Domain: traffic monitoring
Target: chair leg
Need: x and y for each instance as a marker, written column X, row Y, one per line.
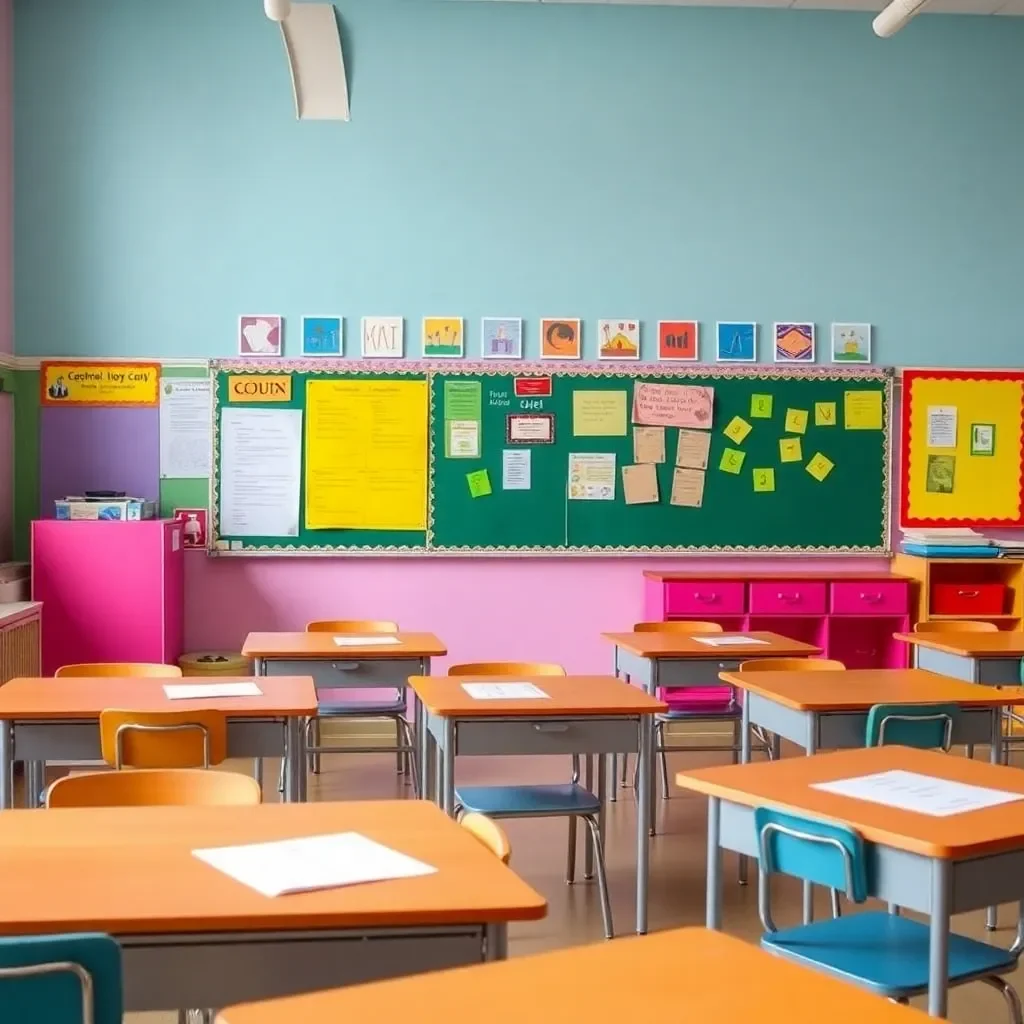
column 257, row 771
column 613, row 778
column 970, row 750
column 737, row 728
column 410, row 756
column 570, row 864
column 837, row 910
column 314, row 759
column 280, row 778
column 659, row 745
column 625, row 768
column 893, row 909
column 602, row 878
column 1009, row 993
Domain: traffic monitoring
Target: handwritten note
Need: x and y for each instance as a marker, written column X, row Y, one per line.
column 824, row 414
column 599, row 413
column 687, row 488
column 790, row 449
column 673, row 405
column 479, row 483
column 737, row 429
column 649, row 444
column 796, row 421
column 761, row 407
column 764, row 480
column 819, row 467
column 693, row 448
column 862, row 410
column 640, row 484
column 592, row 476
column 732, row 461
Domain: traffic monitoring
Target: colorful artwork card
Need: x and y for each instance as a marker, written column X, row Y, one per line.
column 382, row 337
column 560, row 339
column 260, row 335
column 677, row 339
column 794, row 343
column 443, row 337
column 501, row 337
column 618, row 339
column 735, row 342
column 851, row 343
column 323, row 335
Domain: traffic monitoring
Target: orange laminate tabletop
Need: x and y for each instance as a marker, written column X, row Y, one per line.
column 567, row 695
column 131, row 871
column 787, row 785
column 322, row 645
column 85, row 697
column 861, row 689
column 685, row 645
column 687, row 975
column 1004, row 644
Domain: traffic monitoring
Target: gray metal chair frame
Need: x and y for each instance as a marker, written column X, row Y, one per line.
column 59, row 967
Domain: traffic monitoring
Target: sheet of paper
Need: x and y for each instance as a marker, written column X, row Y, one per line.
column 732, row 461
column 764, row 480
column 824, row 414
column 687, row 488
column 796, row 421
column 515, row 469
column 820, row 466
column 479, row 483
column 640, row 484
column 591, row 476
column 185, row 428
column 462, row 439
column 599, row 414
column 673, row 405
column 925, row 794
column 649, row 444
column 940, row 474
column 729, row 641
column 200, row 691
column 260, row 472
column 536, row 428
column 790, row 449
column 463, row 399
column 375, row 640
column 737, row 429
column 692, row 449
column 941, row 426
column 366, row 454
column 504, row 691
column 862, row 410
column 313, row 863
column 761, row 407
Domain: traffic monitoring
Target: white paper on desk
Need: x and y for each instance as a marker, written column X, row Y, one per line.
column 366, row 641
column 504, row 691
column 728, row 641
column 313, row 863
column 191, row 691
column 911, row 791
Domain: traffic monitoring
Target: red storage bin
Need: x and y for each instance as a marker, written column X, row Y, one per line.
column 971, row 600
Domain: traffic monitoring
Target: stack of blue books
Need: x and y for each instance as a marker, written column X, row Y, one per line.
column 949, row 544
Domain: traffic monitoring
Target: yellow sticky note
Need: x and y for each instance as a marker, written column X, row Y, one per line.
column 737, row 429
column 819, row 467
column 479, row 483
column 790, row 449
column 824, row 414
column 796, row 421
column 764, row 480
column 599, row 413
column 761, row 407
column 862, row 410
column 732, row 461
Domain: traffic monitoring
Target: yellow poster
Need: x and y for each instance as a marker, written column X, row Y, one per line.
column 862, row 410
column 66, row 383
column 599, row 413
column 259, row 387
column 366, row 454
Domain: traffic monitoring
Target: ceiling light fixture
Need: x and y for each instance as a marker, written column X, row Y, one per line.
column 277, row 10
column 895, row 16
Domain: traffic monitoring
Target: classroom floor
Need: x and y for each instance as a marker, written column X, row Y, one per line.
column 677, row 867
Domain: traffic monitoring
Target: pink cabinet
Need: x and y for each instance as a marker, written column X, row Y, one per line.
column 111, row 591
column 788, row 597
column 699, row 598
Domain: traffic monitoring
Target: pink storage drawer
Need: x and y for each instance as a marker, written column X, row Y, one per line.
column 870, row 597
column 693, row 599
column 788, row 597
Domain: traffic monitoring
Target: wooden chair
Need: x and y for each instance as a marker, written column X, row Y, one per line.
column 163, row 739
column 490, row 833
column 107, row 669
column 792, row 665
column 956, row 626
column 356, row 626
column 689, row 626
column 506, row 668
column 180, row 787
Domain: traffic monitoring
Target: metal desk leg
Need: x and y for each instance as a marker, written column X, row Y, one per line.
column 744, row 759
column 938, row 939
column 643, row 813
column 35, row 781
column 447, row 761
column 996, row 757
column 812, row 748
column 6, row 765
column 419, row 720
column 588, row 839
column 496, row 942
column 713, row 897
column 294, row 767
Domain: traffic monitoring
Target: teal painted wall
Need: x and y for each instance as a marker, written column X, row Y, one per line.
column 518, row 159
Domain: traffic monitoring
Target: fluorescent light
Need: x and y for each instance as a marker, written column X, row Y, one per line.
column 277, row 10
column 895, row 16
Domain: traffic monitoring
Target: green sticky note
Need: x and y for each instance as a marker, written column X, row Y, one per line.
column 761, row 407
column 479, row 483
column 732, row 461
column 764, row 479
column 790, row 449
column 737, row 429
column 796, row 421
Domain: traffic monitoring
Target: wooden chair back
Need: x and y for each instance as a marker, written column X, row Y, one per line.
column 678, row 626
column 506, row 668
column 490, row 833
column 792, row 665
column 163, row 739
column 109, row 669
column 183, row 787
column 956, row 626
column 356, row 626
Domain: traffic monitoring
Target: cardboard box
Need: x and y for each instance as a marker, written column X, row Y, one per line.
column 115, row 509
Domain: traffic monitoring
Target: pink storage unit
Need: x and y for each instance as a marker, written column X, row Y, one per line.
column 111, row 591
column 851, row 616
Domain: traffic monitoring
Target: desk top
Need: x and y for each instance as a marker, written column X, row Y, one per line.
column 322, row 646
column 85, row 697
column 861, row 689
column 567, row 695
column 786, row 784
column 686, row 645
column 1004, row 644
column 600, row 983
column 131, row 871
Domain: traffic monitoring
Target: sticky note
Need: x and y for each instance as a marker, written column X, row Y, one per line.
column 732, row 461
column 479, row 483
column 796, row 421
column 640, row 484
column 819, row 467
column 693, row 448
column 687, row 488
column 648, row 444
column 737, row 429
column 764, row 480
column 790, row 449
column 862, row 410
column 599, row 413
column 824, row 414
column 761, row 407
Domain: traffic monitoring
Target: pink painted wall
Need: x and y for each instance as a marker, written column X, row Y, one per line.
column 6, row 188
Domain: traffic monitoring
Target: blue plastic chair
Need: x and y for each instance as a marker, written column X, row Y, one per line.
column 926, row 726
column 60, row 979
column 886, row 954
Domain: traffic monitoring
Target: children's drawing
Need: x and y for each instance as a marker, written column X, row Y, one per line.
column 560, row 339
column 259, row 335
column 851, row 343
column 322, row 335
column 736, row 342
column 382, row 337
column 940, row 474
column 677, row 339
column 618, row 339
column 442, row 337
column 794, row 343
column 501, row 338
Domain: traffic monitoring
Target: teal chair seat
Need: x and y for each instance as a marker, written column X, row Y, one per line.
column 528, row 801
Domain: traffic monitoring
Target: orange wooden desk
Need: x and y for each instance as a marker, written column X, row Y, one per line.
column 584, row 715
column 192, row 936
column 935, row 865
column 688, row 975
column 990, row 658
column 44, row 719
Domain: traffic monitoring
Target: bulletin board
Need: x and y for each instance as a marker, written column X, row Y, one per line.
column 475, row 506
column 962, row 448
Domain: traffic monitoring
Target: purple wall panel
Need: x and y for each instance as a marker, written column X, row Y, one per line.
column 88, row 448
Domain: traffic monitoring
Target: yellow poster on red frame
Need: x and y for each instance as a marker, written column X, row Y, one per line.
column 99, row 383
